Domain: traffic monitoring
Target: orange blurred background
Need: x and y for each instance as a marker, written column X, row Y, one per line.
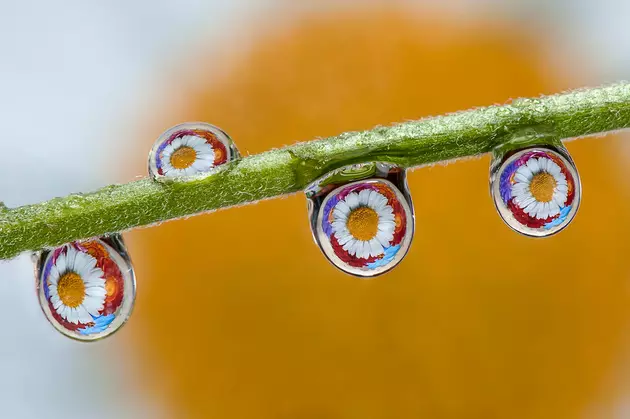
column 239, row 315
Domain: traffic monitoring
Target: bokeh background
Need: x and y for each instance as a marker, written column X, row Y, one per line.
column 238, row 315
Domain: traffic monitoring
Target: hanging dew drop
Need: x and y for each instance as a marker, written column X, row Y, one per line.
column 87, row 288
column 536, row 189
column 362, row 217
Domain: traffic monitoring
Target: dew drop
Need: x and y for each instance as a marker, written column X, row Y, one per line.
column 86, row 288
column 362, row 217
column 536, row 190
column 190, row 149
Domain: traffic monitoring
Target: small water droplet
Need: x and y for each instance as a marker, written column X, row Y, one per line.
column 362, row 217
column 536, row 189
column 190, row 149
column 87, row 288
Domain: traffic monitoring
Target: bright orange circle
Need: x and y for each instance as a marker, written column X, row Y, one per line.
column 240, row 315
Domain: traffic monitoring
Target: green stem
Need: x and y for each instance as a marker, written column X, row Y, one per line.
column 288, row 170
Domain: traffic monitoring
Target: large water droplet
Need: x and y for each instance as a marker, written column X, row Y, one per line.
column 87, row 288
column 362, row 217
column 536, row 190
column 190, row 149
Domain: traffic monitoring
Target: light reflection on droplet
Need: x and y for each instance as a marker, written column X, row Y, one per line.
column 362, row 217
column 86, row 288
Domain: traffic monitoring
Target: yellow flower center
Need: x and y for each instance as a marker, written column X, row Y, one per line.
column 363, row 223
column 183, row 157
column 71, row 289
column 543, row 186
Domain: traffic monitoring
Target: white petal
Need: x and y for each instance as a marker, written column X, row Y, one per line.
column 540, row 209
column 553, row 168
column 352, row 199
column 359, row 249
column 389, row 218
column 347, row 245
column 339, row 215
column 562, row 188
column 172, row 172
column 376, row 248
column 96, row 291
column 525, row 171
column 532, row 164
column 94, row 274
column 560, row 198
column 386, row 226
column 364, row 196
column 189, row 140
column 95, row 284
column 386, row 215
column 73, row 315
column 176, row 143
column 95, row 279
column 366, row 249
column 203, row 148
column 207, row 157
column 63, row 311
column 351, row 247
column 385, row 211
column 84, row 316
column 561, row 181
column 201, row 165
column 523, row 201
column 520, row 187
column 93, row 304
column 338, row 226
column 343, row 207
column 544, row 212
column 343, row 237
column 71, row 257
column 56, row 302
column 84, row 264
column 384, row 238
column 380, row 202
column 168, row 150
column 61, row 264
column 554, row 209
column 53, row 277
column 373, row 199
column 184, row 140
column 531, row 208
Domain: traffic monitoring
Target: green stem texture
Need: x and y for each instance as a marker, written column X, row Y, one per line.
column 288, row 170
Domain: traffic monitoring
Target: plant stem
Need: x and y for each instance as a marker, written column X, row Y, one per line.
column 288, row 170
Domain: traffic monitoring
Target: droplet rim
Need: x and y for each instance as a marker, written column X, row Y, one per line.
column 116, row 249
column 326, row 247
column 506, row 214
column 232, row 152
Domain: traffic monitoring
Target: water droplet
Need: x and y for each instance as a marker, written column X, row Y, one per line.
column 536, row 189
column 362, row 217
column 87, row 288
column 190, row 149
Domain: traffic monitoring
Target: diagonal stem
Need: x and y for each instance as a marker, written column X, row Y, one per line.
column 288, row 170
